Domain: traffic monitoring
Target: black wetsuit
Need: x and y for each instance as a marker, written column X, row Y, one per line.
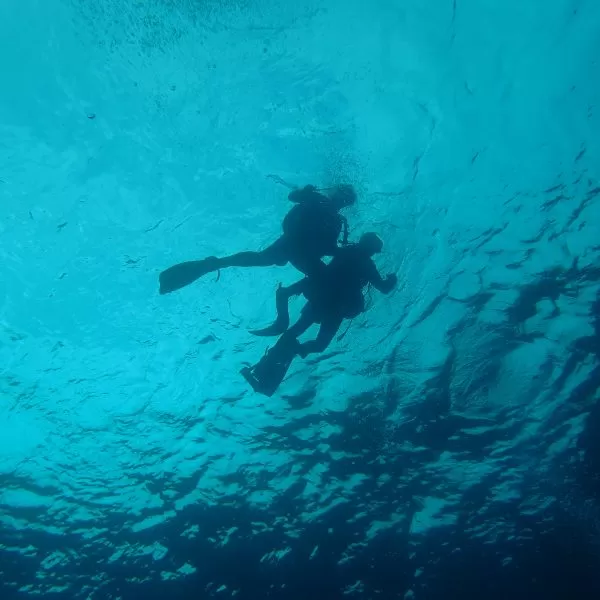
column 338, row 290
column 333, row 295
column 311, row 230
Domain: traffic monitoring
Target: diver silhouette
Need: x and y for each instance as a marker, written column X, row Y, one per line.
column 311, row 230
column 333, row 294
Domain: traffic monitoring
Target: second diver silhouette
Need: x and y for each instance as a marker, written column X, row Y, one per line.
column 333, row 294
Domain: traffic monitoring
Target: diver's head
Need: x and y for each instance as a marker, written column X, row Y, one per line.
column 343, row 195
column 371, row 243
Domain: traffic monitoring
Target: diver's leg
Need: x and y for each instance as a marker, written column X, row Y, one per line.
column 183, row 274
column 266, row 376
column 275, row 254
column 282, row 297
column 307, row 318
column 282, row 322
column 311, row 266
column 329, row 327
column 295, row 289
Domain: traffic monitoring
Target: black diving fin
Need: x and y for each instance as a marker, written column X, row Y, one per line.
column 282, row 322
column 266, row 376
column 183, row 274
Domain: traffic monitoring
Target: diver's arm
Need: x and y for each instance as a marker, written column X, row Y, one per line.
column 300, row 195
column 385, row 286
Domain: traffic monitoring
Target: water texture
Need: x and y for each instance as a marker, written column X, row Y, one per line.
column 447, row 443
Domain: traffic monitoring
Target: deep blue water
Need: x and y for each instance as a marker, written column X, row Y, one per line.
column 446, row 446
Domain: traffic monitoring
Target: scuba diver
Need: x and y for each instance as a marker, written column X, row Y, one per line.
column 311, row 230
column 333, row 294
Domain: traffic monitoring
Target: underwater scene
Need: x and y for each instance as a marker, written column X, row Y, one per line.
column 300, row 300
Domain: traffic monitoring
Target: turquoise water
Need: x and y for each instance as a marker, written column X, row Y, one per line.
column 134, row 135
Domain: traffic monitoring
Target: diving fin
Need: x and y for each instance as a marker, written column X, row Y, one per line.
column 277, row 328
column 283, row 316
column 182, row 274
column 266, row 376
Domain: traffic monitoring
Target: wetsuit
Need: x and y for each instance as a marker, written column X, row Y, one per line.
column 333, row 295
column 311, row 230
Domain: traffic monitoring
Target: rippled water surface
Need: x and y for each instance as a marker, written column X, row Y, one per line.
column 446, row 446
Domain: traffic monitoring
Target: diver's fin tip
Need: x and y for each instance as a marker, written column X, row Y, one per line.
column 183, row 274
column 277, row 328
column 268, row 332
